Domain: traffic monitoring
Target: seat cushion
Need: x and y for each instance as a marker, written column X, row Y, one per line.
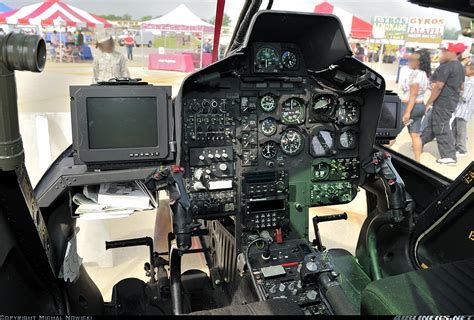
column 444, row 289
column 267, row 308
column 351, row 276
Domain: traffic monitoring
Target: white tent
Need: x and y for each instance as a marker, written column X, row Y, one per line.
column 180, row 19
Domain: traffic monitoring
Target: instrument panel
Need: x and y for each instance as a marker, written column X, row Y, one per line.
column 270, row 143
column 276, row 58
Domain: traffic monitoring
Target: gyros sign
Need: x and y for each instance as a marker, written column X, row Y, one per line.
column 422, row 29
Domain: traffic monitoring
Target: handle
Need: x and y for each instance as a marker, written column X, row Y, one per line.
column 332, row 217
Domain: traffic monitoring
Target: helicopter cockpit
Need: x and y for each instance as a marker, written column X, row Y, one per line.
column 286, row 121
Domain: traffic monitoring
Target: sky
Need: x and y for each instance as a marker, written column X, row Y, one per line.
column 205, row 9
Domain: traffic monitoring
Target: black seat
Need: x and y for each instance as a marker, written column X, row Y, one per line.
column 444, row 289
column 263, row 308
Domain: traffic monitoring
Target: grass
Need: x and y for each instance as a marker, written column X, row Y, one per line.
column 171, row 42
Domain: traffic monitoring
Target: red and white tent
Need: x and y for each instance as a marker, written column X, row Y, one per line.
column 52, row 12
column 354, row 27
column 179, row 19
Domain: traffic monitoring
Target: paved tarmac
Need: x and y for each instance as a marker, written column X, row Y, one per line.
column 45, row 126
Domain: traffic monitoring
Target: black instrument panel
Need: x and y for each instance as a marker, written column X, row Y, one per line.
column 257, row 140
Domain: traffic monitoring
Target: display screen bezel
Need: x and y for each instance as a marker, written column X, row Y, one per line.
column 79, row 96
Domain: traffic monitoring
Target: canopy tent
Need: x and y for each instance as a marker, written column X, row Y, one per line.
column 52, row 12
column 179, row 19
column 354, row 27
column 4, row 8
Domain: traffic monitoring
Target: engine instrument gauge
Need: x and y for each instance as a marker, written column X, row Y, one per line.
column 322, row 143
column 269, row 150
column 267, row 59
column 289, row 60
column 347, row 139
column 349, row 112
column 324, row 106
column 321, row 170
column 293, row 111
column 268, row 103
column 269, row 127
column 291, row 142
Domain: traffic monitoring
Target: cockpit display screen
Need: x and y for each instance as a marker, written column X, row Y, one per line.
column 115, row 123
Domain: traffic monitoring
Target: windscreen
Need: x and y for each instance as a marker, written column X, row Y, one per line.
column 388, row 118
column 115, row 123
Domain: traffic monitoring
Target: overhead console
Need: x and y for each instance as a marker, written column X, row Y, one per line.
column 281, row 125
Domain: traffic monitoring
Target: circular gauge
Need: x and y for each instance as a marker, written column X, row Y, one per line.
column 269, row 127
column 321, row 171
column 291, row 142
column 267, row 58
column 292, row 111
column 322, row 143
column 268, row 103
column 324, row 106
column 223, row 106
column 289, row 60
column 349, row 112
column 269, row 150
column 347, row 139
column 206, row 105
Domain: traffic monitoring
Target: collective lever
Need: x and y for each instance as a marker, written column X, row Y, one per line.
column 316, row 219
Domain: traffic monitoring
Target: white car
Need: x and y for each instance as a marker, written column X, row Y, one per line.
column 141, row 38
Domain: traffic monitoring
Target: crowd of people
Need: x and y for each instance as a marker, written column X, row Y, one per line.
column 444, row 116
column 68, row 47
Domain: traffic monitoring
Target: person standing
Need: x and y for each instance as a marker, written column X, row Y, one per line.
column 207, row 47
column 414, row 86
column 109, row 64
column 359, row 52
column 447, row 81
column 129, row 42
column 70, row 41
column 54, row 39
column 80, row 38
column 464, row 111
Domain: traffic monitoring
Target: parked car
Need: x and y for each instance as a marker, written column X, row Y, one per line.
column 141, row 37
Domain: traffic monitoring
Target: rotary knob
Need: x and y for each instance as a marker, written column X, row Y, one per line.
column 311, row 295
column 291, row 286
column 223, row 167
column 198, row 186
column 198, row 174
column 280, row 185
column 282, row 287
column 210, row 156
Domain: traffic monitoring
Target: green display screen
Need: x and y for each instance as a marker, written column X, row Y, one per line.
column 116, row 123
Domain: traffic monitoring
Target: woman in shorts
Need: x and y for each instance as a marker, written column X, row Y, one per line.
column 414, row 87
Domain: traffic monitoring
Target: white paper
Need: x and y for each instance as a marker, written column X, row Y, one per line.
column 72, row 262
